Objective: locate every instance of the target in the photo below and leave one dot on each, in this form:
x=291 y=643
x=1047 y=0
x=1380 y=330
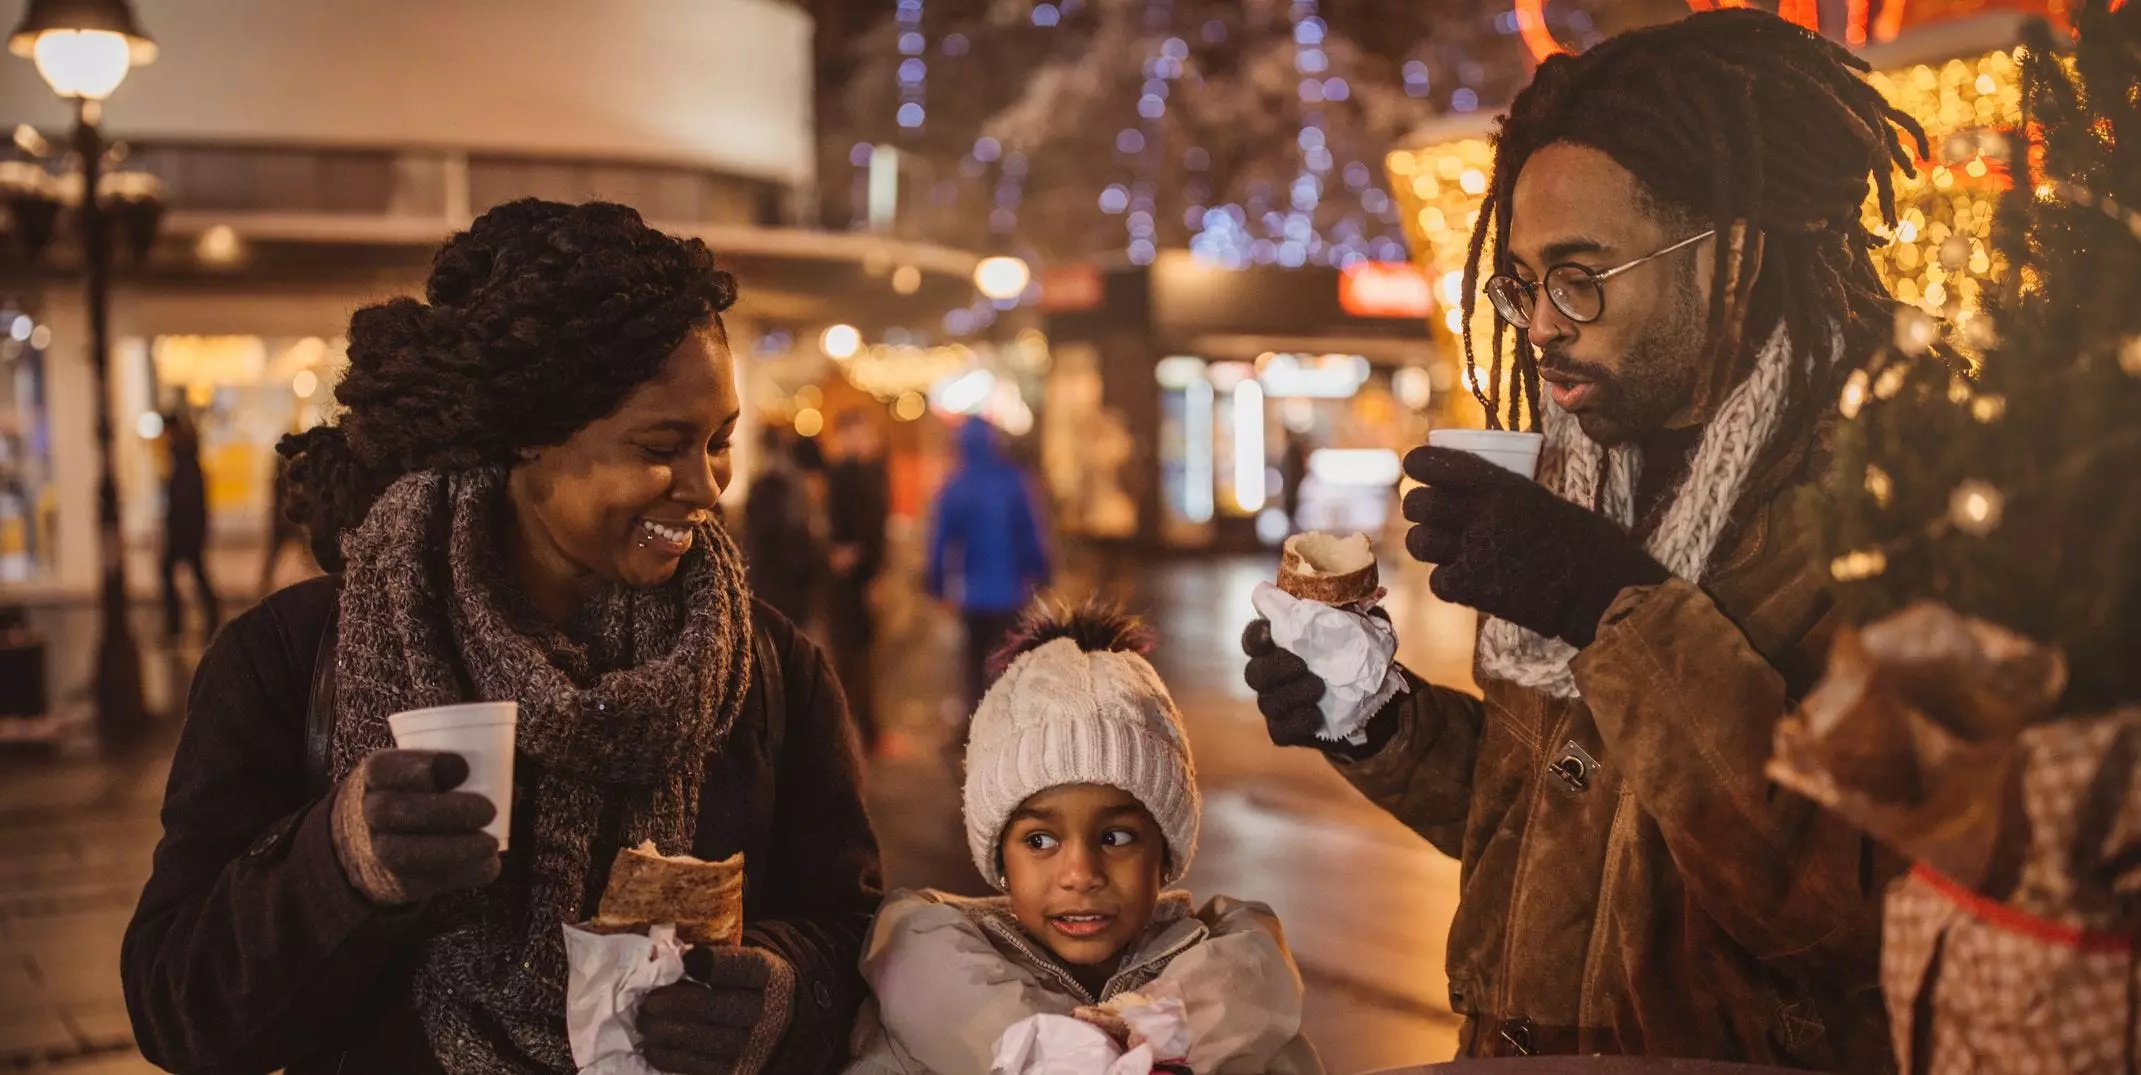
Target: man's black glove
x=726 y=1016
x=1287 y=693
x=403 y=834
x=1508 y=547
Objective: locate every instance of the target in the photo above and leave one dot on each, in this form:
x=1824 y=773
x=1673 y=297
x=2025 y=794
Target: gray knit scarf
x=617 y=714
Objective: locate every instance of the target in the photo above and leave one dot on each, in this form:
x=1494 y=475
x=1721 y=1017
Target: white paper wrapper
x=1056 y=1045
x=1062 y=1045
x=606 y=975
x=1162 y=1025
x=1355 y=655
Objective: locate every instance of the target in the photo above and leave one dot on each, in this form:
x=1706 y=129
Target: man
x=1675 y=220
x=857 y=504
x=987 y=540
x=186 y=527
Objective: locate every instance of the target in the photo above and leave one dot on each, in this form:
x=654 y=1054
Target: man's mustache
x=1562 y=365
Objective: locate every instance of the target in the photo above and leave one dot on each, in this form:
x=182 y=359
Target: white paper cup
x=482 y=733
x=1517 y=452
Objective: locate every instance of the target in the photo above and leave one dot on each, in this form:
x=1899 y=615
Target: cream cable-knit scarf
x=1572 y=465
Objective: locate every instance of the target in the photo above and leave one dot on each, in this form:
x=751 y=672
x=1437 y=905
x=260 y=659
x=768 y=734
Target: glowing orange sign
x=1071 y=288
x=1385 y=289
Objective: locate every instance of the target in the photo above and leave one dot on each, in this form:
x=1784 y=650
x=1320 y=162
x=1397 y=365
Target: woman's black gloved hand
x=726 y=1016
x=1288 y=694
x=403 y=834
x=1510 y=548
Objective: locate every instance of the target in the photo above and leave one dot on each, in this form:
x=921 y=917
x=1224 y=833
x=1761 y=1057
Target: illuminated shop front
x=1246 y=392
x=243 y=393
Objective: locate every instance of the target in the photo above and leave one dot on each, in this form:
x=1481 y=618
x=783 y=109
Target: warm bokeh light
x=1002 y=277
x=840 y=341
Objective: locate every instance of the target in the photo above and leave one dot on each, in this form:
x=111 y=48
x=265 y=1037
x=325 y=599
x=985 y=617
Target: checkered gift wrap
x=1998 y=992
x=2046 y=980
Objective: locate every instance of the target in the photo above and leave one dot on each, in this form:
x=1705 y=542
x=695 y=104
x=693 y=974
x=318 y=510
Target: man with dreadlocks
x=1678 y=259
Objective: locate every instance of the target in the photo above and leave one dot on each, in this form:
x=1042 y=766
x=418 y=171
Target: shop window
x=27 y=495
x=270 y=179
x=661 y=193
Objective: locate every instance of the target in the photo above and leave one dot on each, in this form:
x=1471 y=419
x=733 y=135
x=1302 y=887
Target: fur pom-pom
x=1095 y=626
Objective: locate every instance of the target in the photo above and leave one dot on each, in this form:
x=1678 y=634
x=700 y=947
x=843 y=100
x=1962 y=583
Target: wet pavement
x=1366 y=904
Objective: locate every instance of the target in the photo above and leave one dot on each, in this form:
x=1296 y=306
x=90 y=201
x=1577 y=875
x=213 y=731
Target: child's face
x=1083 y=864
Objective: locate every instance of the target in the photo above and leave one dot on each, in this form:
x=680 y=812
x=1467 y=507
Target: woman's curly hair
x=537 y=320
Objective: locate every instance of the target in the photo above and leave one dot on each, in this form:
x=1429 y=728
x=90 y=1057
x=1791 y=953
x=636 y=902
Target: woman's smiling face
x=620 y=498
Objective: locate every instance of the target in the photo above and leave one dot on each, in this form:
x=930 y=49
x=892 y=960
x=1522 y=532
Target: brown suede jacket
x=1632 y=883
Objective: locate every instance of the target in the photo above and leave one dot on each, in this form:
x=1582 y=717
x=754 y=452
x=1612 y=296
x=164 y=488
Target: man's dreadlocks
x=1725 y=116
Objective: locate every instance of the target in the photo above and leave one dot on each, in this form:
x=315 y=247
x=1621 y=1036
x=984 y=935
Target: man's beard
x=1656 y=378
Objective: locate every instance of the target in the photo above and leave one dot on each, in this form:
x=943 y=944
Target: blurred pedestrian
x=858 y=502
x=282 y=532
x=780 y=546
x=186 y=526
x=529 y=522
x=1293 y=469
x=986 y=542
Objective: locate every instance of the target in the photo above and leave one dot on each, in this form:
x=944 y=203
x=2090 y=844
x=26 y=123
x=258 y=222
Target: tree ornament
x=2130 y=356
x=1975 y=507
x=1980 y=332
x=1854 y=398
x=1889 y=382
x=1879 y=485
x=1988 y=408
x=1858 y=566
x=1916 y=330
x=1993 y=145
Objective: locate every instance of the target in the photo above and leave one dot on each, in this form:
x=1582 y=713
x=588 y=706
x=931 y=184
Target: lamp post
x=83 y=49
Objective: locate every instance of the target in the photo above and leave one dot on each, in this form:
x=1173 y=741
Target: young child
x=1081 y=806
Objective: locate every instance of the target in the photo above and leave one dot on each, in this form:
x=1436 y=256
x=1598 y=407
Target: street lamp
x=84 y=48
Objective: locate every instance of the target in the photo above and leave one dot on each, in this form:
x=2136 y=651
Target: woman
x=517 y=503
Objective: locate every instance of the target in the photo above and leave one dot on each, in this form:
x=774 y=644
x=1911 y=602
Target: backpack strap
x=320 y=713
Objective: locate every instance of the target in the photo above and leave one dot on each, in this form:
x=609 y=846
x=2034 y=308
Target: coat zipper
x=1047 y=965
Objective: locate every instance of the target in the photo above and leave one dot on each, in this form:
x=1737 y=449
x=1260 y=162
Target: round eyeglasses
x=1578 y=291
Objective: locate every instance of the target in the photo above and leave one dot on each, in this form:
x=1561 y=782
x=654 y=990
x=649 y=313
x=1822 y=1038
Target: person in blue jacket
x=985 y=537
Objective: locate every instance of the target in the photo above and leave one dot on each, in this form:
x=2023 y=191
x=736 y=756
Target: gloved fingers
x=728 y=966
x=688 y=1003
x=676 y=1061
x=1295 y=727
x=1433 y=545
x=1273 y=669
x=1452 y=469
x=424 y=812
x=471 y=856
x=1256 y=638
x=1290 y=697
x=1454 y=583
x=415 y=770
x=700 y=1024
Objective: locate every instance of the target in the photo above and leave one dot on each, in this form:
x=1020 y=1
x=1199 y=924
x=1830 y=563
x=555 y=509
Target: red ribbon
x=2002 y=916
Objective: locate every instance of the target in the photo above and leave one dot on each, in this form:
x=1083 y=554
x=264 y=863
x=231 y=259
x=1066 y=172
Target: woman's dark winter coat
x=250 y=950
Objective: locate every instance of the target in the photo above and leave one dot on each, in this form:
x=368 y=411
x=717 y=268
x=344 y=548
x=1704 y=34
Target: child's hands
x=1110 y=1023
